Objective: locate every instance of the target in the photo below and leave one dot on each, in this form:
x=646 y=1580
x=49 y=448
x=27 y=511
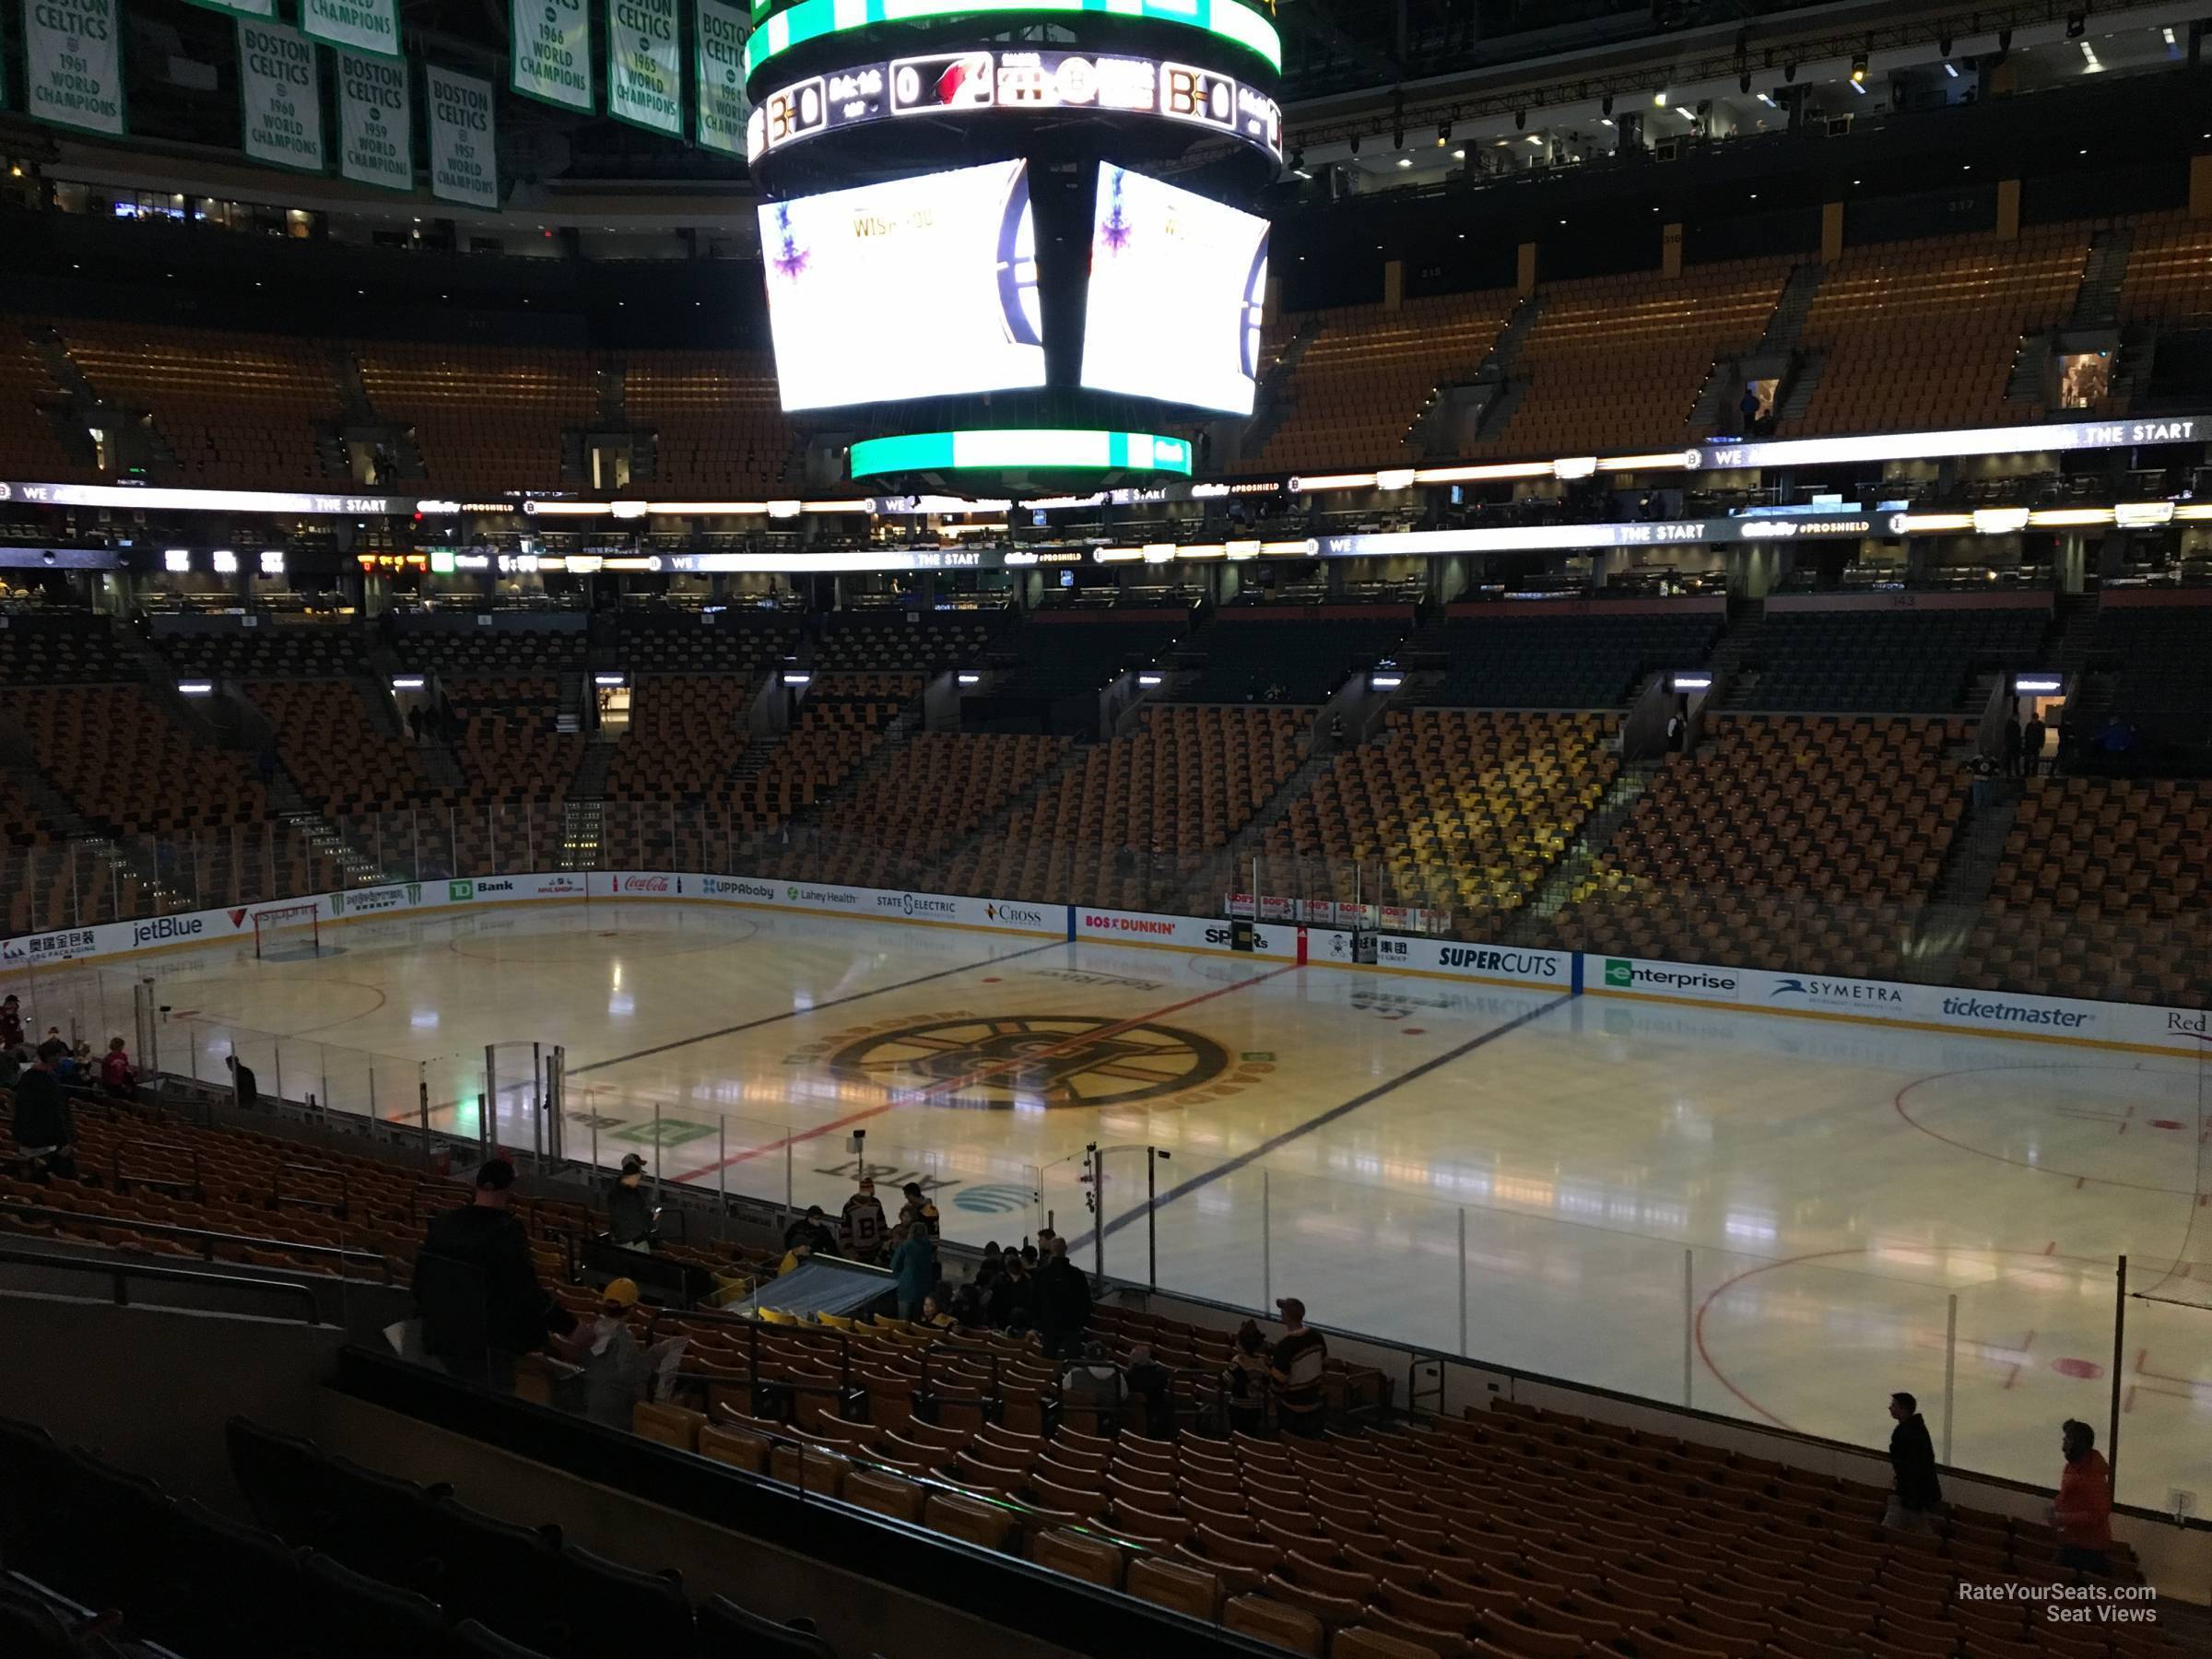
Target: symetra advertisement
x=1177 y=288
x=920 y=287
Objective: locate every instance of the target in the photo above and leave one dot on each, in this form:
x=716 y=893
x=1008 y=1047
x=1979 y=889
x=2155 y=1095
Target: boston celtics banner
x=720 y=35
x=375 y=138
x=361 y=25
x=463 y=144
x=240 y=9
x=550 y=43
x=644 y=64
x=280 y=91
x=73 y=64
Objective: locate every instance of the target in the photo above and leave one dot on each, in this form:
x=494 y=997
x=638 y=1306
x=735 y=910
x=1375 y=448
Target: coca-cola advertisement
x=647 y=884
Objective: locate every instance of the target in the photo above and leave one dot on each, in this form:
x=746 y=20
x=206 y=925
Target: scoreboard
x=990 y=79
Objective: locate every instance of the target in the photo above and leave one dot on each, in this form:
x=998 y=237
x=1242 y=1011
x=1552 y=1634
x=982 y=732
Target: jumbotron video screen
x=918 y=288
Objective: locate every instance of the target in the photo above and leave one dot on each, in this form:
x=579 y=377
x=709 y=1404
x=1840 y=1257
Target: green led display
x=1041 y=448
x=1236 y=21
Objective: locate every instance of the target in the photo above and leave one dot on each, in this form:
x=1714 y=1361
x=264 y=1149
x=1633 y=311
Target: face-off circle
x=1048 y=1059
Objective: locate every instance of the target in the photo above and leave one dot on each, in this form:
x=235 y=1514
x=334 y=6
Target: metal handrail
x=121 y=1273
x=203 y=1234
x=116 y=1175
x=344 y=1204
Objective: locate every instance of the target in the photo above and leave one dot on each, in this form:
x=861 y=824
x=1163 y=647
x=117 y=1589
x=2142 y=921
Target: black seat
x=380 y=1524
x=729 y=1631
x=31 y=1466
x=603 y=1608
x=471 y=1640
x=31 y=1628
x=482 y=1567
x=356 y=1618
x=246 y=1593
x=288 y=1481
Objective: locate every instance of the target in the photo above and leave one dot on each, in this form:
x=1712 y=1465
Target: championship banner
x=549 y=44
x=644 y=65
x=465 y=165
x=240 y=8
x=73 y=64
x=376 y=140
x=280 y=93
x=357 y=25
x=723 y=108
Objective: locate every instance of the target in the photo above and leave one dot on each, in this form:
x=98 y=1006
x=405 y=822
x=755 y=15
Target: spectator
x=12 y=1061
x=244 y=1087
x=1244 y=1381
x=2083 y=1515
x=917 y=1211
x=11 y=1021
x=1152 y=1386
x=2033 y=735
x=2011 y=755
x=1917 y=1493
x=933 y=1315
x=1063 y=1303
x=45 y=1133
x=1094 y=1382
x=477 y=1289
x=970 y=1305
x=1013 y=1296
x=863 y=1225
x=914 y=1265
x=117 y=1075
x=615 y=1369
x=415 y=722
x=630 y=1214
x=811 y=1230
x=53 y=1045
x=1295 y=1367
x=795 y=1258
x=1748 y=408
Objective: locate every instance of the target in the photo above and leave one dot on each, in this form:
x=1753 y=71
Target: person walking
x=630 y=1218
x=1063 y=1303
x=2012 y=746
x=2033 y=735
x=1915 y=1494
x=245 y=1087
x=45 y=1131
x=117 y=1075
x=477 y=1284
x=2083 y=1515
x=1301 y=1356
x=917 y=1211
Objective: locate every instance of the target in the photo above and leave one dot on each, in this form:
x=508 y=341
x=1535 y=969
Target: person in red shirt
x=117 y=1075
x=2083 y=1515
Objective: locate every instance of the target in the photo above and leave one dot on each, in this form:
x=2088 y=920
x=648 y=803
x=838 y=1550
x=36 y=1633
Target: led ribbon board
x=1229 y=20
x=1044 y=450
x=949 y=82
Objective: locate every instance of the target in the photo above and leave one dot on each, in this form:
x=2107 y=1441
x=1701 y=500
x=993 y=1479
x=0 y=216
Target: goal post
x=288 y=928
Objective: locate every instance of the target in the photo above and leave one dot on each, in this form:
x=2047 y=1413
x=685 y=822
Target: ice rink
x=1764 y=1216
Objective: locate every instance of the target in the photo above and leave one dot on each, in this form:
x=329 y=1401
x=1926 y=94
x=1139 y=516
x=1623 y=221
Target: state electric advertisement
x=922 y=287
x=1178 y=286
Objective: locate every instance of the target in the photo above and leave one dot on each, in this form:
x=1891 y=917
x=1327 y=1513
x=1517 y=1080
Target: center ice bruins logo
x=1051 y=1060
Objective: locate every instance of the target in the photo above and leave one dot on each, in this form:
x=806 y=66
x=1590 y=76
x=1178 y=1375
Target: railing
x=120 y=1274
x=206 y=1238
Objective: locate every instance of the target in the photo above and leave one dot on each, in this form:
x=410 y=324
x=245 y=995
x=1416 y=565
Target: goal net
x=289 y=930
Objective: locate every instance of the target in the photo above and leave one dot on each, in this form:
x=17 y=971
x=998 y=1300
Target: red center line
x=982 y=1073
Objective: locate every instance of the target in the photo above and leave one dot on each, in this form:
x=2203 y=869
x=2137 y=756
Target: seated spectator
x=117 y=1075
x=1152 y=1386
x=1094 y=1382
x=914 y=1265
x=935 y=1317
x=1244 y=1381
x=970 y=1305
x=811 y=1230
x=613 y=1364
x=1013 y=1297
x=477 y=1289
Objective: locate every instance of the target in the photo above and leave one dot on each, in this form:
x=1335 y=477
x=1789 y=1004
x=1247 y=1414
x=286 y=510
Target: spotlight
x=1942 y=43
x=1858 y=70
x=1743 y=81
x=1354 y=144
x=1789 y=72
x=1443 y=134
x=1659 y=100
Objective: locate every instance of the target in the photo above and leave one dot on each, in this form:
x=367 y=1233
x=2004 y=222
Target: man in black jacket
x=1063 y=1303
x=629 y=1215
x=1912 y=1457
x=45 y=1135
x=246 y=1087
x=477 y=1289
